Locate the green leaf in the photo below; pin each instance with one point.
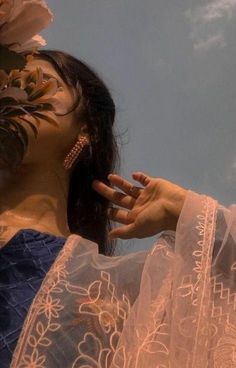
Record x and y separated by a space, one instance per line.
35 131
5 101
12 143
13 112
10 60
46 106
46 117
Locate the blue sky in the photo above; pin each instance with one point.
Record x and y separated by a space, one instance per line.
170 66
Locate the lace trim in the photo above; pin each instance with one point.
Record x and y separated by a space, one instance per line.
44 303
108 313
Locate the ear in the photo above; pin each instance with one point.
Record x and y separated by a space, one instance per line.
83 131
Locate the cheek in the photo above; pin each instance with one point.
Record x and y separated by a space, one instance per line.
48 137
52 139
63 102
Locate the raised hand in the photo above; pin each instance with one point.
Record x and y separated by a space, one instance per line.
145 211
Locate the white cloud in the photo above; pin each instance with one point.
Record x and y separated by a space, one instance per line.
213 10
206 17
207 43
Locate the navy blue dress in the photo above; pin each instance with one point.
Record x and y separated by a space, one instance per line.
24 262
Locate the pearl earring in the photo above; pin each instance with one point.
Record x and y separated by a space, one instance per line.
75 152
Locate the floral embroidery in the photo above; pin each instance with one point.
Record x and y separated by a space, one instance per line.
99 300
184 323
106 306
44 304
50 307
100 355
225 351
33 360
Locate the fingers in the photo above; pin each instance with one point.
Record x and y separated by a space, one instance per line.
112 195
124 232
141 177
124 185
121 216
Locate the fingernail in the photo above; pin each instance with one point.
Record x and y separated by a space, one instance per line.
110 176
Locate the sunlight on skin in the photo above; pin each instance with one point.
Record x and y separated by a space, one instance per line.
144 211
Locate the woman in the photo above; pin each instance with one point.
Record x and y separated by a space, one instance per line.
44 200
170 306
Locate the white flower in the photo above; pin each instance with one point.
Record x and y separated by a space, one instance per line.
21 21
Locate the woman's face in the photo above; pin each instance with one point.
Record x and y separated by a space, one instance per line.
53 142
65 94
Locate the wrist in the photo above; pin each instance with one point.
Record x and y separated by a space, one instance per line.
174 208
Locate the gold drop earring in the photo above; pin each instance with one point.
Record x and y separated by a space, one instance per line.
75 152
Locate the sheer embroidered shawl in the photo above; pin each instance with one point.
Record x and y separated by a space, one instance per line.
170 306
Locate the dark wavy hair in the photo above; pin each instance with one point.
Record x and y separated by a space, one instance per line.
86 209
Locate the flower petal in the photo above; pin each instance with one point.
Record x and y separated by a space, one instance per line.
34 42
31 20
16 93
5 11
58 106
49 88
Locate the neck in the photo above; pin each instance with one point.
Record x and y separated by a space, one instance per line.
35 197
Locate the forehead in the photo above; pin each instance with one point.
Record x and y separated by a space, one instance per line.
44 64
48 68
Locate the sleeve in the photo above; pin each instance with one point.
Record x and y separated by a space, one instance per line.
171 306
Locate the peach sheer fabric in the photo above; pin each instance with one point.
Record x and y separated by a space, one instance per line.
172 306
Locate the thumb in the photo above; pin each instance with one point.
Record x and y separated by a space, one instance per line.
123 232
